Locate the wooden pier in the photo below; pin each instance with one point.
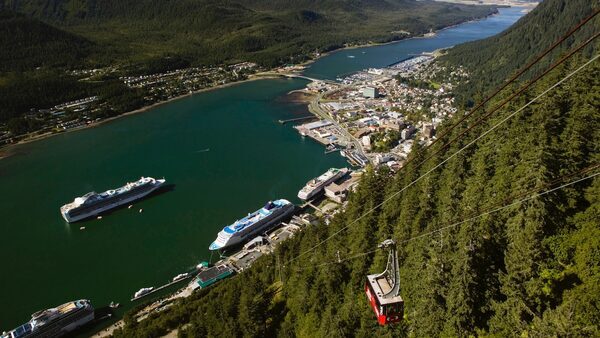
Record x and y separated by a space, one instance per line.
163 287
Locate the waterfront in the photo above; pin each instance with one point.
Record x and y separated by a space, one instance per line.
347 61
223 151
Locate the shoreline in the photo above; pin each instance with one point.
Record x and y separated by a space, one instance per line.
376 44
8 150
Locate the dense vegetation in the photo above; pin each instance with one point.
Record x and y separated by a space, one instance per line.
532 269
28 43
493 60
216 31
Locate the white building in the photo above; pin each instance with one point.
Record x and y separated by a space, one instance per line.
370 92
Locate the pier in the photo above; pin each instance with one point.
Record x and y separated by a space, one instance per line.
294 75
309 204
303 118
163 287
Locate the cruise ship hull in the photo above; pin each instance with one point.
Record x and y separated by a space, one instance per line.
306 195
55 322
81 322
117 202
242 237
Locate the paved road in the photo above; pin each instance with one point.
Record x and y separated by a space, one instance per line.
316 108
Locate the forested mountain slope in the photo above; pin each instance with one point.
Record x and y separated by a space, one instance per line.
131 37
28 43
494 59
215 31
528 270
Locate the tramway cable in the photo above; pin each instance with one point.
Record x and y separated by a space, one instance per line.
505 101
450 157
500 208
486 212
383 290
507 83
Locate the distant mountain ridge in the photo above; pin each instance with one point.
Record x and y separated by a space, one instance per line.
494 59
43 38
28 43
215 31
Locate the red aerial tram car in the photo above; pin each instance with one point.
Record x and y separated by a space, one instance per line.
383 290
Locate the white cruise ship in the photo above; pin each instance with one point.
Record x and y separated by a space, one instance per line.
55 322
316 185
92 203
253 224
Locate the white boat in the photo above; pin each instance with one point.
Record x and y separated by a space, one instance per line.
255 223
143 291
316 185
92 203
181 276
55 322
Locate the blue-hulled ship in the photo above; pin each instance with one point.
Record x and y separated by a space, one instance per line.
255 223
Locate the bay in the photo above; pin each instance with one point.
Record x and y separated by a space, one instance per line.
223 153
347 61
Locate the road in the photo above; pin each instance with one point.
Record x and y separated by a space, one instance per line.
316 108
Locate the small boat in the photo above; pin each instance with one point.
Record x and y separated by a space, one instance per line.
181 276
129 207
99 217
330 148
142 291
81 228
114 305
141 210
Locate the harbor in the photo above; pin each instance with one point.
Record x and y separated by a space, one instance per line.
126 250
282 227
169 284
328 192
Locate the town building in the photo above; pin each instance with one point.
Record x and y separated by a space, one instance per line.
370 92
407 132
428 130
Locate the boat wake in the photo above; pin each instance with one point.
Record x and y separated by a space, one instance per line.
203 150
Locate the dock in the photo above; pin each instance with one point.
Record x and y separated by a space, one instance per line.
303 118
309 204
163 287
212 275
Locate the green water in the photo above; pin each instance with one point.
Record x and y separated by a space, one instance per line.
224 153
251 159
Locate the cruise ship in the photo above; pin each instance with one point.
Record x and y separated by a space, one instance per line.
253 224
92 203
316 185
55 322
